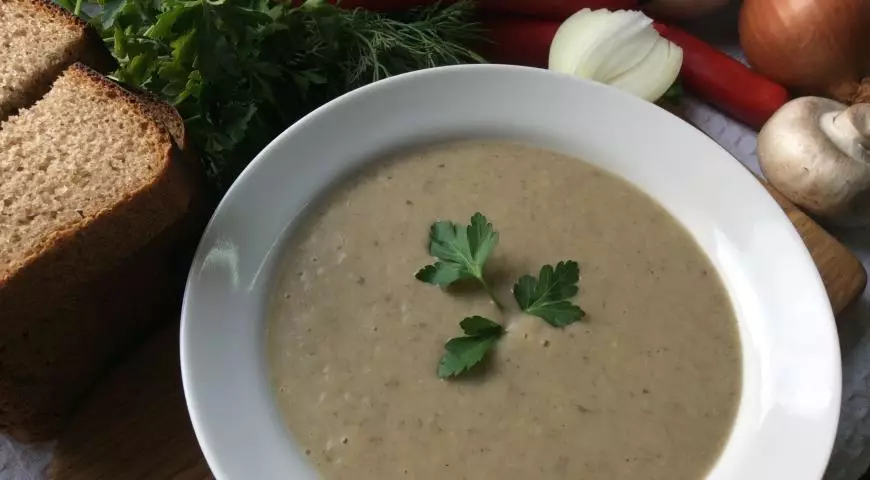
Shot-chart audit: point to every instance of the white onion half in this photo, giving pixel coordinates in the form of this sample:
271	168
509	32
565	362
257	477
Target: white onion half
620	48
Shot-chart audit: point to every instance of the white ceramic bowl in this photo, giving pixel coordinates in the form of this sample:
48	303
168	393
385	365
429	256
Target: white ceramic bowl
791	364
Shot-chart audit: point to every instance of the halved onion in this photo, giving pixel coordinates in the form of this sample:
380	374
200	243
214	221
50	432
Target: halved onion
620	48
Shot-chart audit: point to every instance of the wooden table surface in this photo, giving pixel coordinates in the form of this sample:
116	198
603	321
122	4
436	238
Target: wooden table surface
135	424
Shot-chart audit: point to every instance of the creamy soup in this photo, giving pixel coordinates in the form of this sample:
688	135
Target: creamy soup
646	386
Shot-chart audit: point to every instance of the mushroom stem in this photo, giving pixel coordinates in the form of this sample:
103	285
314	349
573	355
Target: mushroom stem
849	130
859	117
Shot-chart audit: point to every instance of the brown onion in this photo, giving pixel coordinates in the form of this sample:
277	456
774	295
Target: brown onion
814	47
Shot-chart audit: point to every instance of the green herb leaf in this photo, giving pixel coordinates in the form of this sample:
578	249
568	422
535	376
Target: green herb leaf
480	326
111	9
548	296
463	353
674	93
461	251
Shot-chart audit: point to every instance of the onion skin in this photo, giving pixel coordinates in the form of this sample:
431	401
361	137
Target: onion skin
814	47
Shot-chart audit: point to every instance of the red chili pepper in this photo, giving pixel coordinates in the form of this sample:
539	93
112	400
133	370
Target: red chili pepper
519	42
709	74
724	82
552	9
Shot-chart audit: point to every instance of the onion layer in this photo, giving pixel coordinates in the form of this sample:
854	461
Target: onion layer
814	47
618	48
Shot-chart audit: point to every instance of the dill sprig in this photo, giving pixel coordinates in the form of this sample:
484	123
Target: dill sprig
374	46
241	71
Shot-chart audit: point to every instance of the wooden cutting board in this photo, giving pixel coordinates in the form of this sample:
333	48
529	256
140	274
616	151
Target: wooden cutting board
843	274
135	425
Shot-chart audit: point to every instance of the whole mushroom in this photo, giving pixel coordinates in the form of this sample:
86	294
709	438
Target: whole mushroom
816	152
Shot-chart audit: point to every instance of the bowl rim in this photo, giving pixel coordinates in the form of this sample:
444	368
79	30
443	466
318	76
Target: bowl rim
214	249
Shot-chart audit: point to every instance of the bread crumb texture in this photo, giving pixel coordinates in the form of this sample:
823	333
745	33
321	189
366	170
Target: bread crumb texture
75	154
37	40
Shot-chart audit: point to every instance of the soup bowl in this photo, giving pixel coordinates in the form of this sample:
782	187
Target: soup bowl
789	404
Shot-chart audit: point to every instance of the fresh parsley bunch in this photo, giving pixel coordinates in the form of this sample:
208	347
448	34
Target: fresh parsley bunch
241	71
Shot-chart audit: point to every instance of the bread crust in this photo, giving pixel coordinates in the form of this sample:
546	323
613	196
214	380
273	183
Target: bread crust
163	113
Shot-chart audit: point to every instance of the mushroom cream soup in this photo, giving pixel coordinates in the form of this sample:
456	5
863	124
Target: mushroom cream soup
645	386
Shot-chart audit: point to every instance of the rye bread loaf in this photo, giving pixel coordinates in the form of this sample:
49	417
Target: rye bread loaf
93	197
38	39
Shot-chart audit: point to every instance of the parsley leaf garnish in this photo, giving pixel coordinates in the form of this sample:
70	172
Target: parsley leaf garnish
465	352
548	296
461	252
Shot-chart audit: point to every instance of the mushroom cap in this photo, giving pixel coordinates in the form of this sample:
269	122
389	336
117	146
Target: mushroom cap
815	163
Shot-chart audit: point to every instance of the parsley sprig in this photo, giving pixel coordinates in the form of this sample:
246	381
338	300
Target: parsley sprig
548	296
463	353
461	252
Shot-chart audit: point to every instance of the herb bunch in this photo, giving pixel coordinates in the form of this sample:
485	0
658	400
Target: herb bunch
241	71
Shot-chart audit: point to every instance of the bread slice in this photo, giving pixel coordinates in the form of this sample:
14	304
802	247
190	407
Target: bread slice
91	199
38	39
84	165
